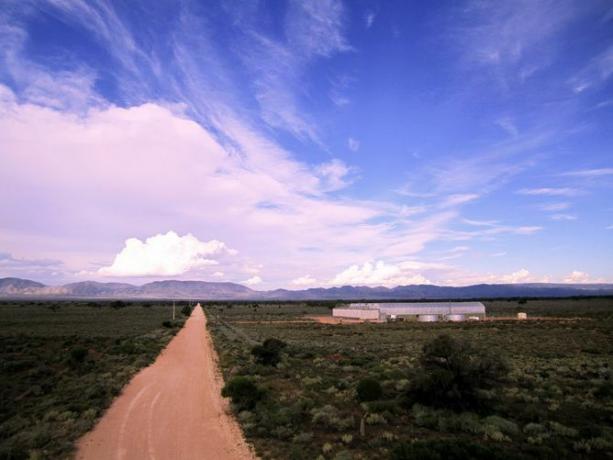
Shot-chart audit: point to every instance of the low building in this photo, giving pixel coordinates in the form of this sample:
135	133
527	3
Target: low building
423	311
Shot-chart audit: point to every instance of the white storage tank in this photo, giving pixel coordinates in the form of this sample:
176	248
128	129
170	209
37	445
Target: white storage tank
456	317
427	318
522	315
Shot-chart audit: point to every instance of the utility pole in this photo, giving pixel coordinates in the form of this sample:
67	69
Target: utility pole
173	310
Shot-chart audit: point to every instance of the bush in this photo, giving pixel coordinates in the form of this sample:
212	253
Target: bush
453	374
243	392
369	390
118	304
448	449
269	353
186	310
78	354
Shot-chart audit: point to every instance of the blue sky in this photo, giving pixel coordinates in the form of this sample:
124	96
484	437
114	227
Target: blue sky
297	144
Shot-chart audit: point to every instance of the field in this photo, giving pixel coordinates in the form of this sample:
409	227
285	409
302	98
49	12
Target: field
556	401
61	364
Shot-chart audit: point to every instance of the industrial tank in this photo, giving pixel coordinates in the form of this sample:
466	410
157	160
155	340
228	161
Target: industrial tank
427	318
456	317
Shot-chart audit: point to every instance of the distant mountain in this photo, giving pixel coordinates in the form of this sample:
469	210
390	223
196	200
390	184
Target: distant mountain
18	286
202	290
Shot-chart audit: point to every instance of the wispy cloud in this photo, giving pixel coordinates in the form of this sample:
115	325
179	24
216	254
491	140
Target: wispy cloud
369	18
514	36
550	191
563	217
353	144
595	73
554	206
598	172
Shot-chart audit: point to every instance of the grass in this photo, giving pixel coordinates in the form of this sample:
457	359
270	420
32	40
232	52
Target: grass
61	365
557	401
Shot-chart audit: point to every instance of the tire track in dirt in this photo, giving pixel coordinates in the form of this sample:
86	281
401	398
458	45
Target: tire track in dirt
172	409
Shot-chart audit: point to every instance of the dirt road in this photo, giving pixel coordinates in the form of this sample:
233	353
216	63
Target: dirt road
172	409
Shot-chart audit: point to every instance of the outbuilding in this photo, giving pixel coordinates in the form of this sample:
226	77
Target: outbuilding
422	311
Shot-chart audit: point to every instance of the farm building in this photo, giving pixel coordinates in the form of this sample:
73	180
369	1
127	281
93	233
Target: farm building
421	311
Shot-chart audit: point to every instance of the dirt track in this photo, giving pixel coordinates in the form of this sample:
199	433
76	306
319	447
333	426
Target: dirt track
172	409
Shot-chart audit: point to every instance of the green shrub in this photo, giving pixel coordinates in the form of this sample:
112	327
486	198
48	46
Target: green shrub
78	354
447	449
243	392
453	374
269	353
369	390
186	310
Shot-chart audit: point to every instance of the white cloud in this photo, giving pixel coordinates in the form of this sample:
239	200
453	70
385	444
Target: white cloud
589	172
218	274
458	199
595	73
163	255
306	280
520	276
508	126
550	191
380	273
253	281
353	144
563	217
334	174
369	18
554	206
577	277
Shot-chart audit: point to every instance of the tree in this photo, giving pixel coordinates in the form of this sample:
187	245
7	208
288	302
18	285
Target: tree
269	353
453	374
186	310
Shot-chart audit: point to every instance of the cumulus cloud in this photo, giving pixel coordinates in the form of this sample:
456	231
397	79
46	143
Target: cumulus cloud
253	281
520	276
306	280
380	273
577	277
163	255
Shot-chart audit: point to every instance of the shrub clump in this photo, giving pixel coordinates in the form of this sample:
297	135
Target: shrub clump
455	375
243	392
369	390
78	354
269	353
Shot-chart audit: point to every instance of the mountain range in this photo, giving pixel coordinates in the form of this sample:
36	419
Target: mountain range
203	290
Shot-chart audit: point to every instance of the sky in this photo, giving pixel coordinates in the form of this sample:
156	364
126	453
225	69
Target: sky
305	143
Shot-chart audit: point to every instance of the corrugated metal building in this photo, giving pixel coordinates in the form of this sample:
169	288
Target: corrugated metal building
454	311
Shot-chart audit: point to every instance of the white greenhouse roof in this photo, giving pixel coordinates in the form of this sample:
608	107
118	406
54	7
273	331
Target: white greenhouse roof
425	308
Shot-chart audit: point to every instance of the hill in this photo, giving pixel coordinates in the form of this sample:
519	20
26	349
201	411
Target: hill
203	290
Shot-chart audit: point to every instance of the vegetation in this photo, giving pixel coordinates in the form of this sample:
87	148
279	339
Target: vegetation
243	392
369	390
269	353
62	363
512	390
455	374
